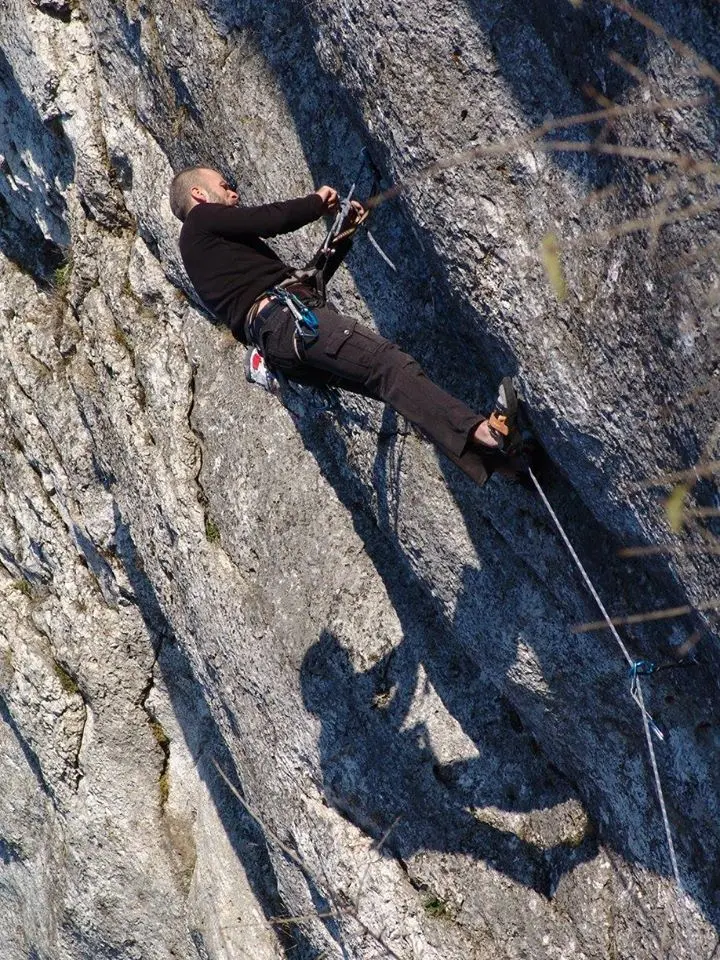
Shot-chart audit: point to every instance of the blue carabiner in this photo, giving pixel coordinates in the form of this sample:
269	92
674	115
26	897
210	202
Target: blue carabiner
306	322
642	668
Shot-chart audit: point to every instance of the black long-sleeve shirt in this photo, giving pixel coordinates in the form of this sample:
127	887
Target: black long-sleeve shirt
227	262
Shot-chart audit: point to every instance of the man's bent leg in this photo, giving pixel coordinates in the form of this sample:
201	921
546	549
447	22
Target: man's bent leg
348	355
358	359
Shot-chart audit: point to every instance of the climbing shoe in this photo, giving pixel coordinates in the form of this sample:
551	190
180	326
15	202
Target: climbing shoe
502	422
257	371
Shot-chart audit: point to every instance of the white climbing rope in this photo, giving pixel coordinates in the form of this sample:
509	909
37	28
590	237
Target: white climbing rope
636	688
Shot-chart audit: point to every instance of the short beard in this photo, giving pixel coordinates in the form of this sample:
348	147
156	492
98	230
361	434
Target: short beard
215	197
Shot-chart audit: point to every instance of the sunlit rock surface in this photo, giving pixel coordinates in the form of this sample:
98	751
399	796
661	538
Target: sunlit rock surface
206	595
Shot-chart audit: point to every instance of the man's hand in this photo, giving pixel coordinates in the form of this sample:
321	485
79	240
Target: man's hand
329	198
357	212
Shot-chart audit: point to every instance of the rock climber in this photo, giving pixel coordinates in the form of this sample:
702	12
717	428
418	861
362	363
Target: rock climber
268	306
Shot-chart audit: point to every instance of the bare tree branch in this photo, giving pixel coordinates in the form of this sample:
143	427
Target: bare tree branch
667	614
704	68
680	549
701	470
532	137
349	910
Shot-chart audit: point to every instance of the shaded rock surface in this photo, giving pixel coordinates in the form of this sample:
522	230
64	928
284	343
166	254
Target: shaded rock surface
205	594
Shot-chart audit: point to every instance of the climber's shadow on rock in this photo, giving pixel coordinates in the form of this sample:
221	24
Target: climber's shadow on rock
378	765
503	805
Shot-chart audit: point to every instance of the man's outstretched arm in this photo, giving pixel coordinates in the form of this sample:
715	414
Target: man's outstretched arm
269	219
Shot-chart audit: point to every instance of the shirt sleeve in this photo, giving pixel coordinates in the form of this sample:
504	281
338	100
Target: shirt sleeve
265	221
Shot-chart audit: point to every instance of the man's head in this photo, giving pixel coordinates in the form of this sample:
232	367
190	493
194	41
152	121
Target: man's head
196	185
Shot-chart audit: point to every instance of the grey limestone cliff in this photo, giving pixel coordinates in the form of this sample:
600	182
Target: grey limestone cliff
208	595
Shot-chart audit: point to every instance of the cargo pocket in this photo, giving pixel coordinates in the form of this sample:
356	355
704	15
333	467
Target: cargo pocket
337	337
352	350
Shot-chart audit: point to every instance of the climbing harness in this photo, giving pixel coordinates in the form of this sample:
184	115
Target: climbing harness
306	322
257	370
637	669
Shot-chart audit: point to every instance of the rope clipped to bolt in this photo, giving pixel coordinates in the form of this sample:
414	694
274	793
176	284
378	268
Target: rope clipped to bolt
637	668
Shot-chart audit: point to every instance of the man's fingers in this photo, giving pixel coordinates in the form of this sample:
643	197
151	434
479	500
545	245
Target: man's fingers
328	196
331	200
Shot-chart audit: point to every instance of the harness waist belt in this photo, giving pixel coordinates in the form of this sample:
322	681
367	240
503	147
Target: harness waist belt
252	328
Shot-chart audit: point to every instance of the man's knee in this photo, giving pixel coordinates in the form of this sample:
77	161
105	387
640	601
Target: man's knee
393	371
394	359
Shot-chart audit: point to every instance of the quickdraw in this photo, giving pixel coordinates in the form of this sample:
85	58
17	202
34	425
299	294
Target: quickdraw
314	273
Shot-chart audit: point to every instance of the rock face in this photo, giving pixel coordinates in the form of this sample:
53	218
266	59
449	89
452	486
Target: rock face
206	595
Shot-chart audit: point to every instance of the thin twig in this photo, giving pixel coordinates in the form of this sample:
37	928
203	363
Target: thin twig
605	102
703	512
631	152
665	181
301	917
381	844
670	548
667	614
662	209
712	443
288	851
696	256
701	391
705	69
349	910
688	645
602	193
635	72
701	470
693	524
656	222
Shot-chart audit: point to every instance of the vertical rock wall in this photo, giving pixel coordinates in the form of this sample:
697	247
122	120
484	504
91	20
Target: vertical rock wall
197	583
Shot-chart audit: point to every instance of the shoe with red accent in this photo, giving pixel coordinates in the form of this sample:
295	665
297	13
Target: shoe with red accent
502	422
257	371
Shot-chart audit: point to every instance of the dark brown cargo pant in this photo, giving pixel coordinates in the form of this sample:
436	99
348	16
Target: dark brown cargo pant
353	357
